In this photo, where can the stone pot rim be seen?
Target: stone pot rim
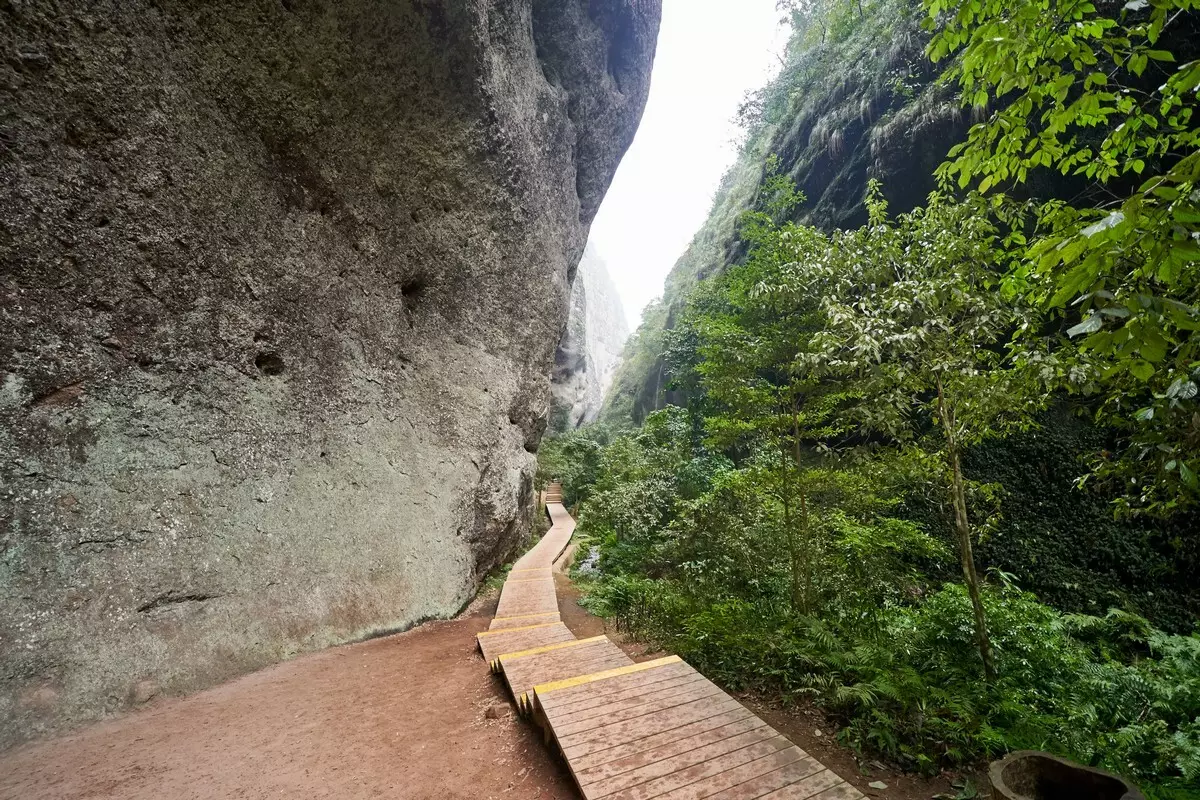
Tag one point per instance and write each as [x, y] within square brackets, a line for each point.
[996, 773]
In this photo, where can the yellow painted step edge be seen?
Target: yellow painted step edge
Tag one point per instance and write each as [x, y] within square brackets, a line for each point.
[547, 648]
[527, 580]
[578, 680]
[527, 616]
[514, 630]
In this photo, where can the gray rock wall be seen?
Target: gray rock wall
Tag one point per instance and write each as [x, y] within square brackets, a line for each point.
[590, 350]
[280, 287]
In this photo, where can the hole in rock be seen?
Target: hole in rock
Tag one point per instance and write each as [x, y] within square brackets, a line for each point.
[269, 363]
[412, 290]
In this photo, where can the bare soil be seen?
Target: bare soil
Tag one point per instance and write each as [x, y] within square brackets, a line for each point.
[416, 715]
[812, 731]
[404, 716]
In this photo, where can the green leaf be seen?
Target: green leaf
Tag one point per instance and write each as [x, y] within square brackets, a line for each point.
[1142, 370]
[1091, 324]
[1189, 477]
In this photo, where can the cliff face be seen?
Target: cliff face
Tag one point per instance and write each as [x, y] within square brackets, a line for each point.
[281, 286]
[590, 350]
[844, 110]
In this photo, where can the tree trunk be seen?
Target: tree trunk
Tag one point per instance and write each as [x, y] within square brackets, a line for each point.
[805, 528]
[808, 546]
[962, 527]
[786, 494]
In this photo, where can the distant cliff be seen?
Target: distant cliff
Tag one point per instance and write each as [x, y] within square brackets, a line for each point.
[844, 109]
[590, 351]
[281, 283]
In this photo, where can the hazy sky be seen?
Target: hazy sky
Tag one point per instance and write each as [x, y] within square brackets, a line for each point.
[710, 52]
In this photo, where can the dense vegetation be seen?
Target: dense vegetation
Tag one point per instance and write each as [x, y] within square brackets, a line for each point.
[937, 471]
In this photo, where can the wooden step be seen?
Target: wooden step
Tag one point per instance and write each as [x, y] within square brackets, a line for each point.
[630, 731]
[662, 730]
[511, 640]
[523, 620]
[524, 670]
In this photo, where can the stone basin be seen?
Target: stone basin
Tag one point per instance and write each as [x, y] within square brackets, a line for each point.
[1033, 775]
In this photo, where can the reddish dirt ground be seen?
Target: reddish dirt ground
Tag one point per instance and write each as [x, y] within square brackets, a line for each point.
[406, 716]
[399, 717]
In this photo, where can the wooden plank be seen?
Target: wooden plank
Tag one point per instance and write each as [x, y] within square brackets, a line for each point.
[742, 773]
[764, 783]
[635, 731]
[507, 623]
[559, 659]
[493, 647]
[689, 775]
[597, 756]
[588, 687]
[541, 607]
[807, 787]
[509, 658]
[842, 791]
[531, 605]
[523, 674]
[618, 712]
[627, 698]
[625, 762]
[676, 763]
[528, 603]
[501, 618]
[528, 586]
[645, 690]
[524, 591]
[597, 683]
[628, 730]
[502, 634]
[493, 644]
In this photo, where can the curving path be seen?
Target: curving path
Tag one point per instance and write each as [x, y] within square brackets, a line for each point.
[627, 731]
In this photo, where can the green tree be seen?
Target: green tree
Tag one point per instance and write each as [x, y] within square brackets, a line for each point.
[1098, 94]
[749, 336]
[574, 459]
[917, 320]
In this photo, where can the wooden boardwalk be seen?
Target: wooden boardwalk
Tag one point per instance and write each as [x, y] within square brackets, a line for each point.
[658, 729]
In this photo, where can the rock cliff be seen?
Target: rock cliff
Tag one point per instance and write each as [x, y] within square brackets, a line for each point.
[280, 287]
[842, 111]
[590, 350]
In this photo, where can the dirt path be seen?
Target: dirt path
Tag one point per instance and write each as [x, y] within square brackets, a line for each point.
[406, 716]
[399, 717]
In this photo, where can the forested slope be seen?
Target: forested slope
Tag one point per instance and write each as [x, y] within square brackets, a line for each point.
[855, 101]
[916, 423]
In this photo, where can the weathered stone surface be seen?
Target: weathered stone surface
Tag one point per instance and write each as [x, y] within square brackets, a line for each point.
[281, 286]
[590, 350]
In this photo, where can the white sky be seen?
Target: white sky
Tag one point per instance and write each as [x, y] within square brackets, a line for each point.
[710, 52]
